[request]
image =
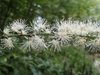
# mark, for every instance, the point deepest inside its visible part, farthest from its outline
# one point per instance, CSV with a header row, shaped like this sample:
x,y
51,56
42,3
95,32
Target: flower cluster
x,y
41,36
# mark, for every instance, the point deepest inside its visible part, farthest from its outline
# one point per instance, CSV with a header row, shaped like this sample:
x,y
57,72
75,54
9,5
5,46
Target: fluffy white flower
x,y
94,45
62,37
81,28
80,42
54,45
61,33
18,26
7,43
6,30
41,25
28,45
61,26
39,43
92,27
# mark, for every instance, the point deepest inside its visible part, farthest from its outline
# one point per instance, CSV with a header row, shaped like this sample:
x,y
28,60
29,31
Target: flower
x,y
6,30
62,37
61,33
18,26
7,43
39,25
62,26
94,45
39,43
80,42
28,45
54,45
34,43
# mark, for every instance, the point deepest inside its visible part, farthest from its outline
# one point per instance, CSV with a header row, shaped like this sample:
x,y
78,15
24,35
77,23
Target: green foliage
x,y
70,61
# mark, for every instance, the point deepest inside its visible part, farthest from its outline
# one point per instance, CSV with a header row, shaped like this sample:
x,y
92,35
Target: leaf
x,y
34,71
16,72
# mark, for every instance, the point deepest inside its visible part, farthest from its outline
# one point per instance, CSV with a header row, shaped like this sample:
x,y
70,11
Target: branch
x,y
44,34
20,35
6,15
29,11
